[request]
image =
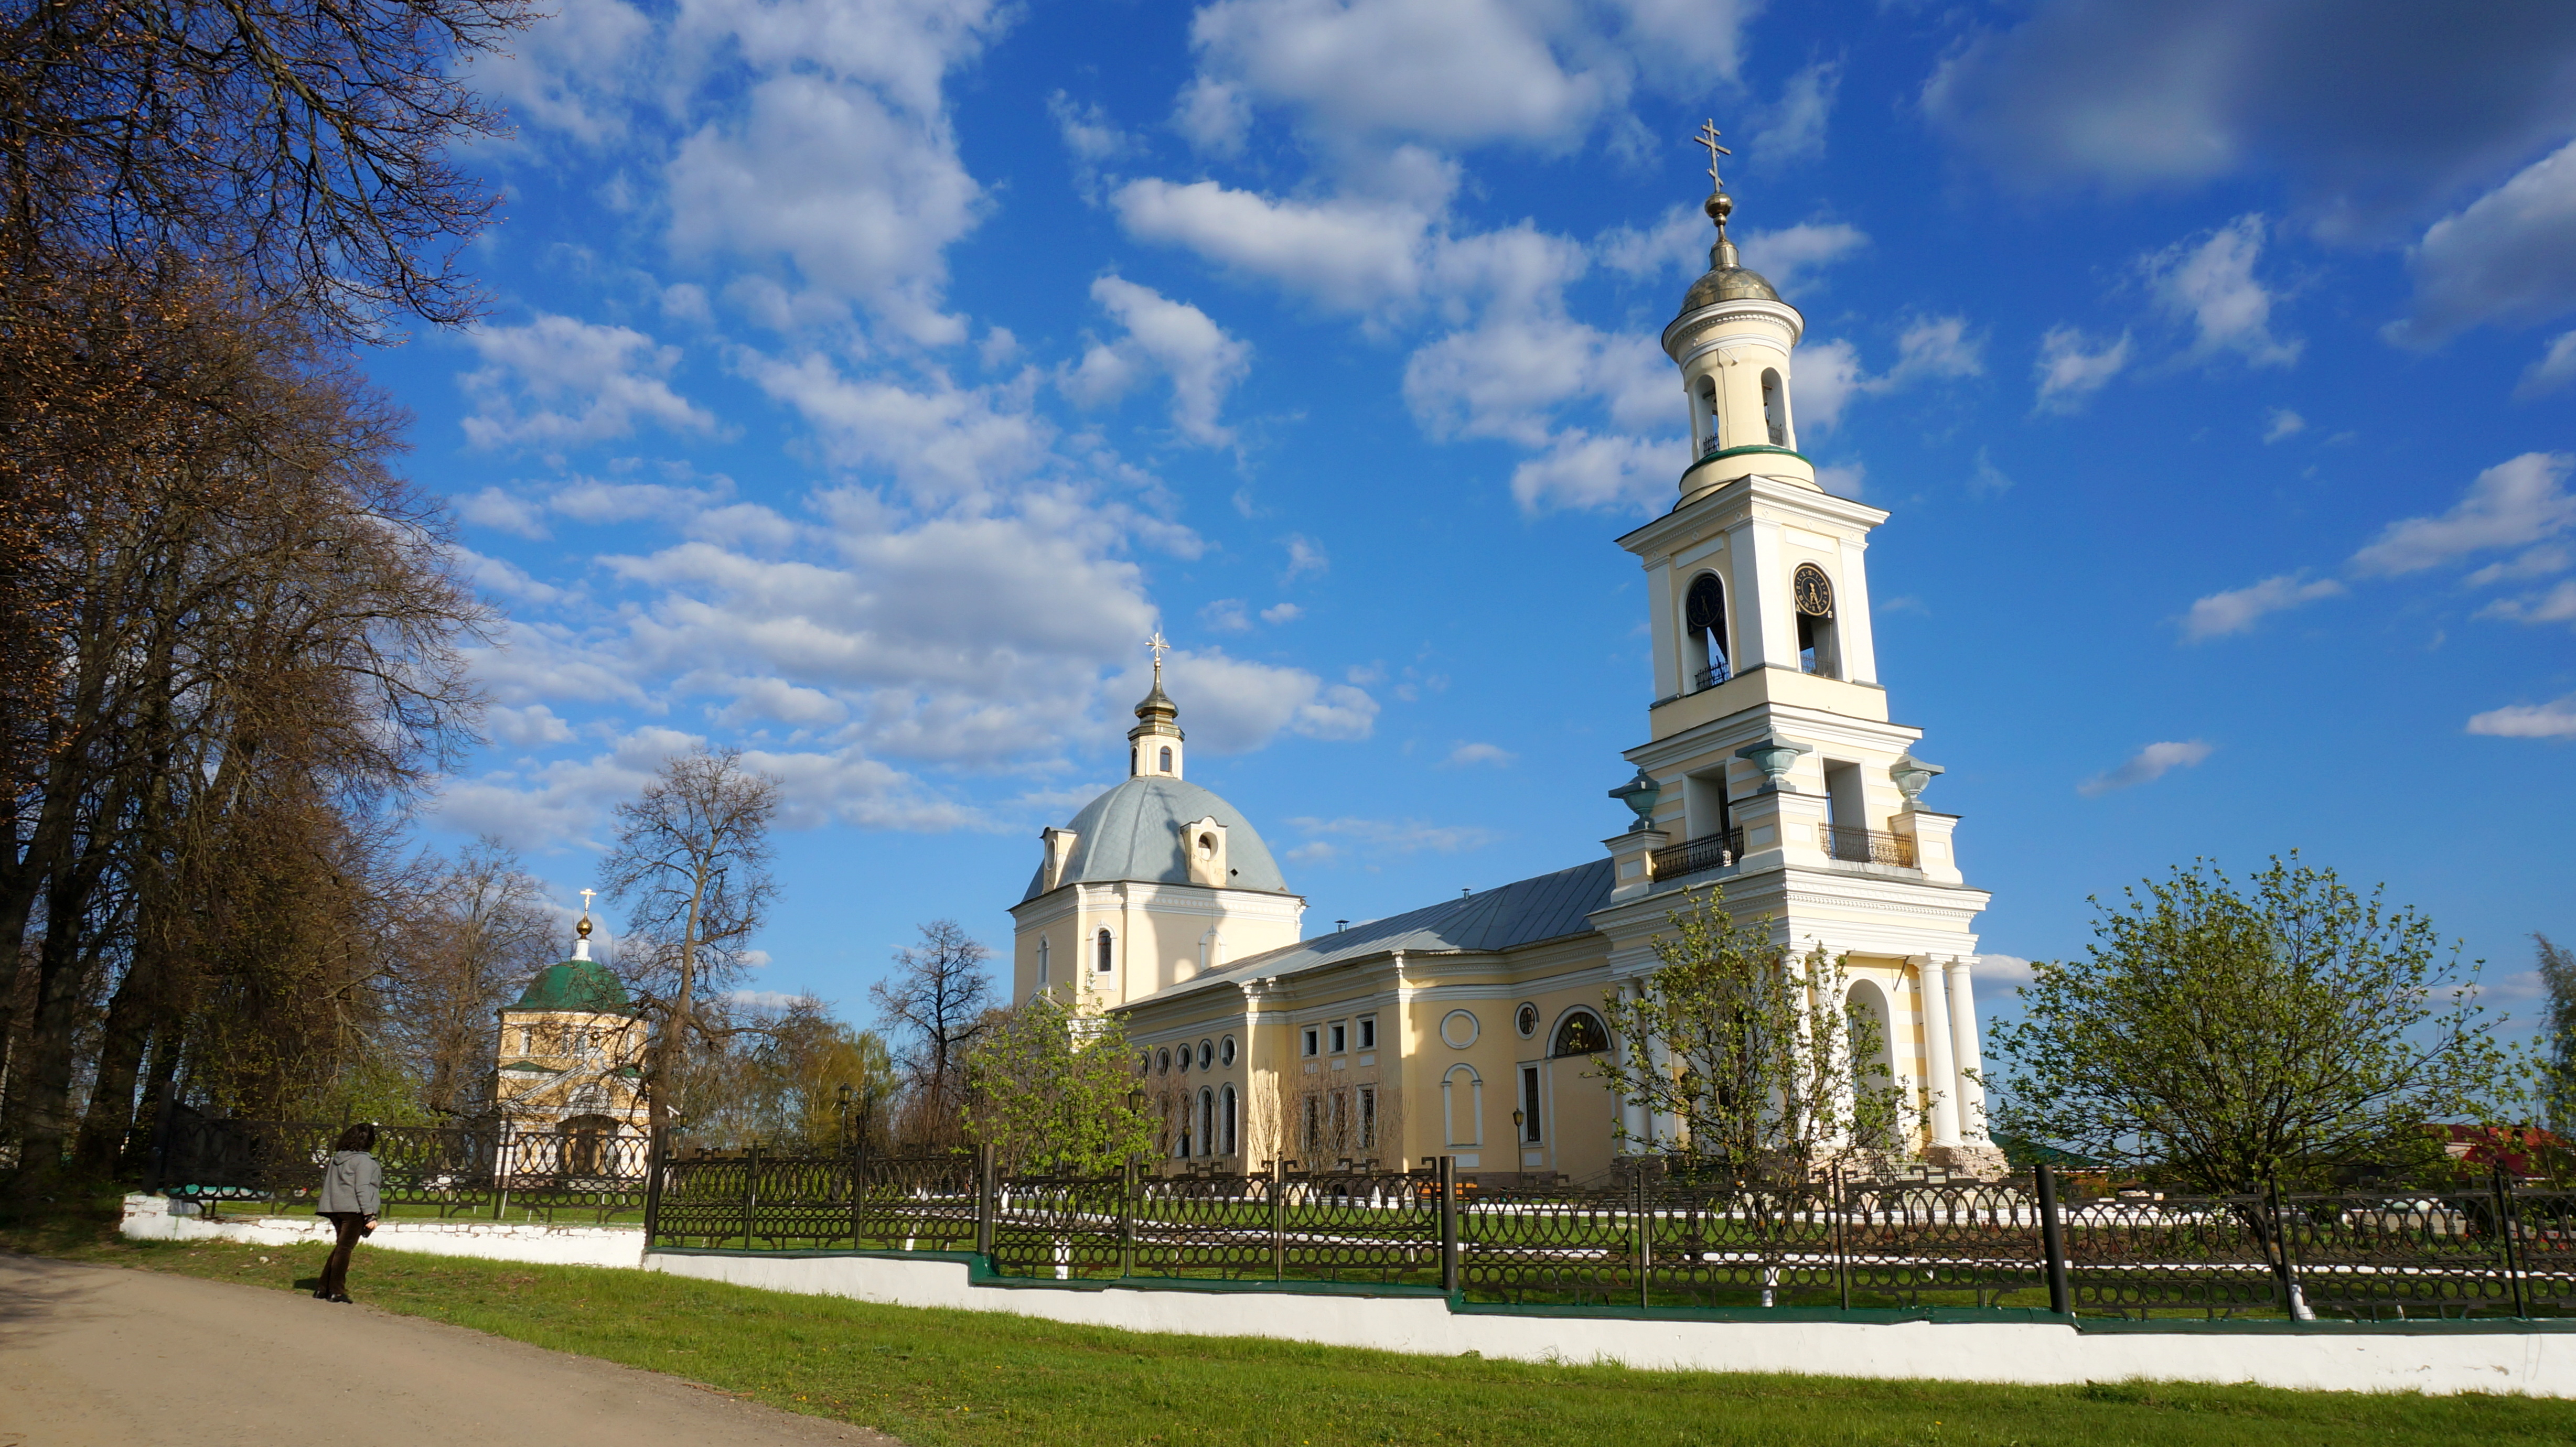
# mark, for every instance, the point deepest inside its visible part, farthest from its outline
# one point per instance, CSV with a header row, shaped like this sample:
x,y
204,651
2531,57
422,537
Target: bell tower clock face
x,y
1812,591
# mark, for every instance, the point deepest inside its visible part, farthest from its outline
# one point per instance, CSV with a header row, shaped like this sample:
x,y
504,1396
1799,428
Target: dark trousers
x,y
335,1272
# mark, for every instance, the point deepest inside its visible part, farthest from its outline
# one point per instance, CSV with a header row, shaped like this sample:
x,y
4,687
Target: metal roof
x,y
1134,832
1524,912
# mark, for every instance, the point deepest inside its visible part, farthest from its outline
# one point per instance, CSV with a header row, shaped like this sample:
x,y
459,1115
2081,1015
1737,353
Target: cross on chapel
x,y
1708,134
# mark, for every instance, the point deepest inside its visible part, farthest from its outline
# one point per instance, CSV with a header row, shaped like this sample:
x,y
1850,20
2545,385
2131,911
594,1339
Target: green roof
x,y
525,1065
576,985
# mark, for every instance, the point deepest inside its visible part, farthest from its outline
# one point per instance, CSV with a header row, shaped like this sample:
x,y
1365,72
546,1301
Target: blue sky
x,y
869,378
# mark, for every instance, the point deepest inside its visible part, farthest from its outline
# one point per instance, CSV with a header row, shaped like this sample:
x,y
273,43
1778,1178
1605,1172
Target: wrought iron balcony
x,y
1711,676
1709,851
1869,846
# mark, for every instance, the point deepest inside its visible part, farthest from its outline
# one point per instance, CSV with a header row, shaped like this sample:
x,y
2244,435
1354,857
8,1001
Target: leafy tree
x,y
1723,1042
2558,1035
1048,1089
692,852
2229,1036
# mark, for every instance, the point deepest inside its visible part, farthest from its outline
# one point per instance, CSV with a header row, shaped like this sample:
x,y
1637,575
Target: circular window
x,y
1163,1062
1525,1020
1185,1060
1207,1054
1225,1051
1458,1029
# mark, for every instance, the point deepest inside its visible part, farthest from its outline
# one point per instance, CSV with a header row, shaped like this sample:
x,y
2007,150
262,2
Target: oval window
x,y
1225,1051
1163,1063
1525,1020
1207,1054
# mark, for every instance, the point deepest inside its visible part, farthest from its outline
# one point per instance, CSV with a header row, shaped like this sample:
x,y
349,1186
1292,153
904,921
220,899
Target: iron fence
x,y
472,1167
1709,851
1869,846
1644,1239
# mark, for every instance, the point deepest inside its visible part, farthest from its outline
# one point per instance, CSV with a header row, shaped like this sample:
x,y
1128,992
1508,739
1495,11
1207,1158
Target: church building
x,y
1771,766
570,1081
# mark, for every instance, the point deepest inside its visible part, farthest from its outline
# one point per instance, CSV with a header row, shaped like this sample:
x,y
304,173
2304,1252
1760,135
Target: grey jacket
x,y
349,1183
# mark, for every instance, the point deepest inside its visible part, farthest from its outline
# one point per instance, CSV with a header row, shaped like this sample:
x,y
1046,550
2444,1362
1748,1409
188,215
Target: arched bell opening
x,y
1704,431
1704,629
1775,408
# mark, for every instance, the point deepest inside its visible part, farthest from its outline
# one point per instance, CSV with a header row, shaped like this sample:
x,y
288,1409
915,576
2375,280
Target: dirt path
x,y
100,1357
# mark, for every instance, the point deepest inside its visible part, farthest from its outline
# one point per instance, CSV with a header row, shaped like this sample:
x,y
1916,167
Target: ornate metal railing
x,y
1711,676
1869,846
474,1166
1709,851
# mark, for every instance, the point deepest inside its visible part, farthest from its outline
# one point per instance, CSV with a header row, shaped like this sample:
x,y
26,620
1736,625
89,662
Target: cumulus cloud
x,y
2555,719
1791,256
1350,255
1233,704
1282,613
946,443
1793,129
1930,349
559,382
2238,609
2509,256
1173,338
2072,367
2210,283
2146,766
2558,605
2000,969
1477,753
2555,369
2136,93
2282,422
2512,504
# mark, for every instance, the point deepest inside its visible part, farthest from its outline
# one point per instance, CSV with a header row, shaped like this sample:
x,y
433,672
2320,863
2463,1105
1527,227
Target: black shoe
x,y
344,1300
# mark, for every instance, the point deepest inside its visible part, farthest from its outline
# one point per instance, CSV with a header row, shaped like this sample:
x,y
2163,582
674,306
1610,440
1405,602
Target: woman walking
x,y
350,1200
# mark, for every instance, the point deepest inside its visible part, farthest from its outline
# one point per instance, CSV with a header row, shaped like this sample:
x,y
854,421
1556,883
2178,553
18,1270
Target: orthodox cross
x,y
1708,134
585,902
1156,646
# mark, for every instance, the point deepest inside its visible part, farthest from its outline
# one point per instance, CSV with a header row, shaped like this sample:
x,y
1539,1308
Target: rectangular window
x,y
1368,1032
1368,1118
1529,1103
1308,1046
1341,1036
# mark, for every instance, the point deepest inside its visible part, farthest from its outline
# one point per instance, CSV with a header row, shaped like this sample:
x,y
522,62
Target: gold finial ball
x,y
583,929
1719,206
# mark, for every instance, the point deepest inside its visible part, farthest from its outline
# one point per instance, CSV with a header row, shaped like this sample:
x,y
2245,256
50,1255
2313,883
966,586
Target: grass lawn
x,y
940,1377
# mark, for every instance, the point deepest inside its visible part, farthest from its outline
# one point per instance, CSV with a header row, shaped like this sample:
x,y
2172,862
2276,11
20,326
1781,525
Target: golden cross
x,y
585,901
1708,134
1156,646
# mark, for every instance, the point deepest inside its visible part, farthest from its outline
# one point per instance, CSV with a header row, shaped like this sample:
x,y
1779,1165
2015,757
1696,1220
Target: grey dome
x,y
1727,283
1134,832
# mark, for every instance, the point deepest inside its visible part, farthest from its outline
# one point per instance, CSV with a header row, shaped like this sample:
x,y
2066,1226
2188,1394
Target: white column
x,y
1632,1116
1766,631
1941,1073
1852,618
1971,1061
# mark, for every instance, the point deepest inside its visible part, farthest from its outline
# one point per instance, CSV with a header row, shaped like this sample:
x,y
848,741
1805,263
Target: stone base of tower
x,y
1982,1162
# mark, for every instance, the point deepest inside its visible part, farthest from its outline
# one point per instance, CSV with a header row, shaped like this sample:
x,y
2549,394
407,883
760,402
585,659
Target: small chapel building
x,y
570,1082
1771,766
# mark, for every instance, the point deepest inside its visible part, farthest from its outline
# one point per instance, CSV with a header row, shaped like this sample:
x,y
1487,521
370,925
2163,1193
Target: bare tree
x,y
692,854
940,1001
476,931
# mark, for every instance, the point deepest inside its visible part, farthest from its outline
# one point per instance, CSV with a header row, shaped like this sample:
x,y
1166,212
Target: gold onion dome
x,y
1728,279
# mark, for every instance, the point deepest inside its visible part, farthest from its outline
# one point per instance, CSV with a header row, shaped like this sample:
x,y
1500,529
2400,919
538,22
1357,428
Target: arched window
x,y
1704,417
1813,595
1167,758
1873,1063
1462,1106
1207,846
1704,616
1163,1061
1775,408
1232,1130
1579,1033
1042,959
1104,952
1207,1122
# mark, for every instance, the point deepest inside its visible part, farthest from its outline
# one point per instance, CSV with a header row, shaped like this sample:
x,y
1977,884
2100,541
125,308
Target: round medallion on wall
x,y
1525,1020
1458,1029
1812,591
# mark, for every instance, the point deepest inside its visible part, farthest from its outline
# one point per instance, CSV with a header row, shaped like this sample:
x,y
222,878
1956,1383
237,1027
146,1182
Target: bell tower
x,y
1772,769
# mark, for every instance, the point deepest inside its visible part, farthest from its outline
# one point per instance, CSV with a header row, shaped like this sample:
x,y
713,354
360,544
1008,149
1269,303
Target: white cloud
x,y
1829,376
1351,256
1936,348
2512,504
1789,256
2555,719
2146,766
1213,115
2537,562
502,511
1674,247
2000,969
2558,605
2555,368
2237,610
946,443
2509,256
1304,556
559,382
1581,470
1988,480
1930,349
1087,131
1396,836
1282,613
1174,338
532,727
568,72
2282,422
1794,129
1476,753
1848,480
2072,368
1226,615
2212,285
1232,705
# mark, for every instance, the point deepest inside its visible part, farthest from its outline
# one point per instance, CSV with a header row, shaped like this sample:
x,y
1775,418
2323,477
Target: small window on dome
x,y
1167,758
1704,416
1207,846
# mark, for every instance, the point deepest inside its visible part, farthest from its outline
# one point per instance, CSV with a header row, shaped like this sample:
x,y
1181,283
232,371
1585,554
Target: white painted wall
x,y
155,1218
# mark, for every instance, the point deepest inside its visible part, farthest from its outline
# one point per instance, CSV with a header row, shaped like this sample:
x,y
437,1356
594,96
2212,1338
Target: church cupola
x,y
1733,341
1154,744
